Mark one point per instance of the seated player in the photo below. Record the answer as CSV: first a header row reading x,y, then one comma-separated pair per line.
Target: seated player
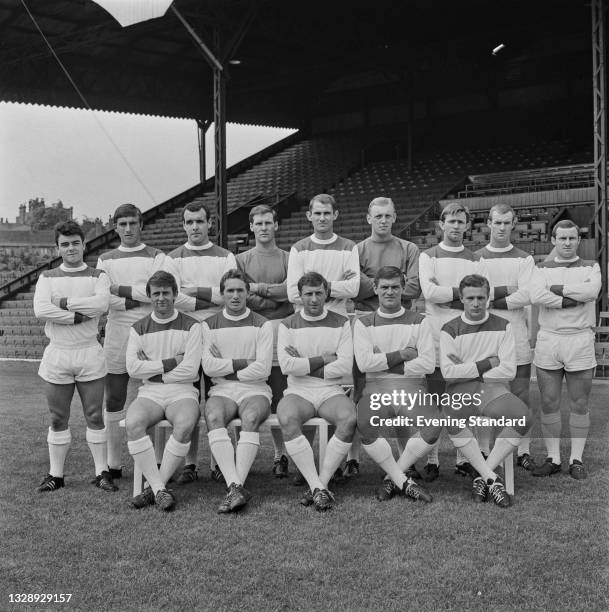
x,y
394,348
565,288
315,350
478,361
71,298
164,350
237,356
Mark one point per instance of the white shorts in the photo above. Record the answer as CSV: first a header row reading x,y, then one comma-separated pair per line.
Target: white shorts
x,y
63,366
115,347
166,394
571,352
521,339
316,396
239,391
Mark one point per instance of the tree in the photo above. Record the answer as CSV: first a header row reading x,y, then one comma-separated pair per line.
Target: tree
x,y
47,218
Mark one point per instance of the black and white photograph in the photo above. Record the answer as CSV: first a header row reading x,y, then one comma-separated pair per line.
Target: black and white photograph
x,y
304,305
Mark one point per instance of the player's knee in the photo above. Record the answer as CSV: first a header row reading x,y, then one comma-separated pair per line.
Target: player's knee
x,y
346,426
291,426
579,405
250,419
182,432
59,422
430,434
135,426
214,418
94,419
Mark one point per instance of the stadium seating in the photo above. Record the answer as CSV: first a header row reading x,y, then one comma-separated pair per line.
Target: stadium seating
x,y
329,164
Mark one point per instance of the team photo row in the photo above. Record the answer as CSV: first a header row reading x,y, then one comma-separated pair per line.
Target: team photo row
x,y
374,340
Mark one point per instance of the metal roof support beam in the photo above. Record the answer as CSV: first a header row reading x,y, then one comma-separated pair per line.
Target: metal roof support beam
x,y
599,78
202,127
220,148
211,59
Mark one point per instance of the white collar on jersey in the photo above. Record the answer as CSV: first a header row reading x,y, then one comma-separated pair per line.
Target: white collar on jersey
x,y
80,268
238,317
317,240
202,247
173,317
307,317
559,260
125,249
452,249
394,315
493,249
469,322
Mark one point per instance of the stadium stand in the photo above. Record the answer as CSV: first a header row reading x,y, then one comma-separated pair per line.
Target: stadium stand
x,y
312,165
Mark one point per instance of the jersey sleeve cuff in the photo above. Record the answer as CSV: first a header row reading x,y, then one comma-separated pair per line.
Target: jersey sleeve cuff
x,y
394,358
124,291
484,365
79,318
315,363
500,304
239,364
204,293
169,364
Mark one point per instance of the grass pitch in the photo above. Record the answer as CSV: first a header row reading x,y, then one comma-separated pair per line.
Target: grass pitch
x,y
549,551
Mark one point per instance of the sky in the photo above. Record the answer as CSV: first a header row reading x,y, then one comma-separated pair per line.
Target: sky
x,y
95,161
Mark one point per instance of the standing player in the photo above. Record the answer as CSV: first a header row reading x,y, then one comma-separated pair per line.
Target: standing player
x,y
565,289
380,249
198,267
333,257
509,271
128,267
478,360
326,253
266,267
315,350
164,350
237,356
441,268
394,348
71,298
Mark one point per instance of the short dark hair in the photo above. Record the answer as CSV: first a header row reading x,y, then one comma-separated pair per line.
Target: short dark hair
x,y
312,279
501,209
565,224
323,198
233,273
389,272
474,280
162,279
68,228
262,209
455,208
127,210
196,207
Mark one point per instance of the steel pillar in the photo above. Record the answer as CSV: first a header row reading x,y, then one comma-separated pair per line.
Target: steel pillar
x,y
599,78
202,127
220,148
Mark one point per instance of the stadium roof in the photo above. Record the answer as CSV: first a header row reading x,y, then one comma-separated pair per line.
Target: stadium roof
x,y
297,59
